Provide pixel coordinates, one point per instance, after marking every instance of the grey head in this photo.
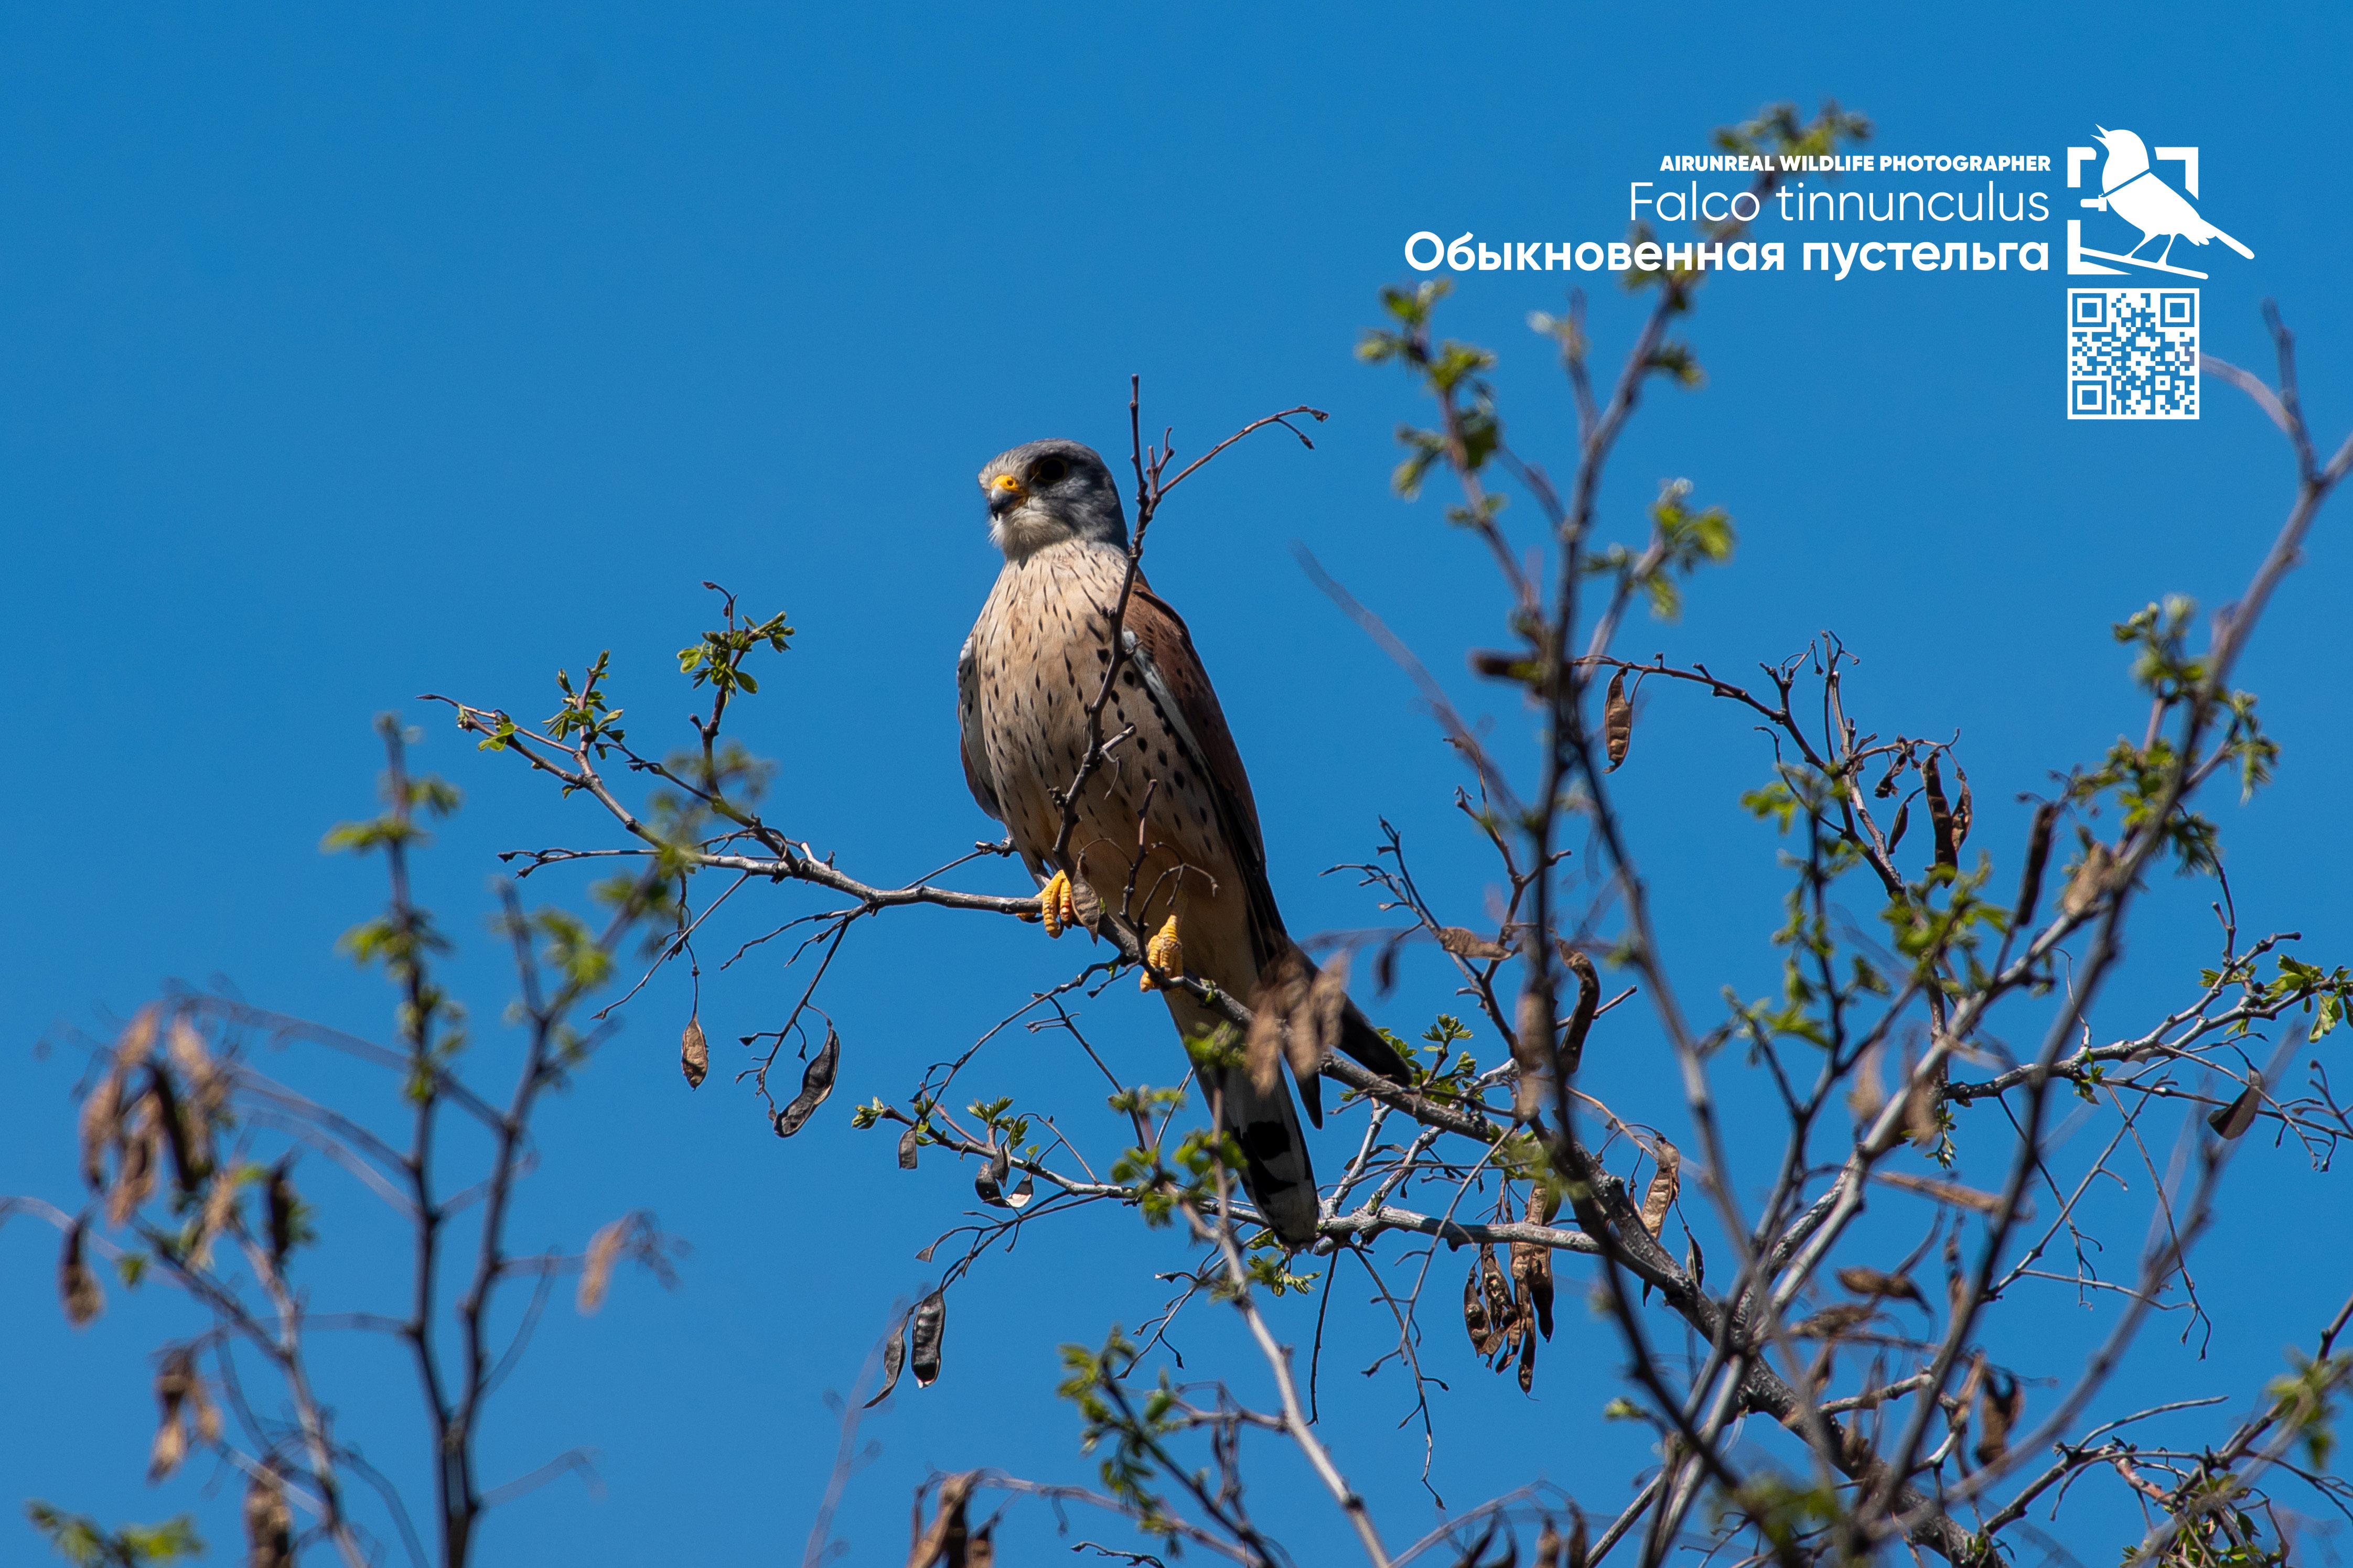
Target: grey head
(1044, 492)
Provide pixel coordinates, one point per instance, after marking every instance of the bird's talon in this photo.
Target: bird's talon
(1165, 952)
(1055, 904)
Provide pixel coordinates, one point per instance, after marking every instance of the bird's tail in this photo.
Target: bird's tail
(1276, 1171)
(2233, 244)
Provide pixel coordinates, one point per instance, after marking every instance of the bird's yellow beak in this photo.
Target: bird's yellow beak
(1004, 492)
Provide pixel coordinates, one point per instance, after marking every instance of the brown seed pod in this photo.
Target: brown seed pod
(1940, 814)
(1999, 1404)
(2038, 854)
(2233, 1120)
(1581, 1016)
(1475, 1310)
(1503, 1327)
(138, 1150)
(943, 1541)
(1865, 1281)
(268, 1522)
(1617, 719)
(931, 1322)
(282, 1201)
(173, 1115)
(2090, 880)
(207, 1415)
(172, 1381)
(1903, 821)
(1548, 1546)
(894, 1356)
(1085, 905)
(1464, 942)
(1527, 1359)
(1665, 1184)
(816, 1082)
(1950, 1193)
(597, 1271)
(1531, 1273)
(1578, 1549)
(694, 1053)
(1963, 812)
(101, 1115)
(219, 1215)
(1867, 1095)
(78, 1288)
(1836, 1319)
(909, 1142)
(1957, 1284)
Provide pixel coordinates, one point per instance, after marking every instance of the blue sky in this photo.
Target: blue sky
(355, 356)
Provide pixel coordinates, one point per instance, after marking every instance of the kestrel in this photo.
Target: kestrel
(1167, 835)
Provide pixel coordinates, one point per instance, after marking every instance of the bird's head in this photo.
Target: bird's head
(2125, 148)
(1044, 492)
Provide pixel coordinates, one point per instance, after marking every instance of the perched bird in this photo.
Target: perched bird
(1166, 835)
(2131, 190)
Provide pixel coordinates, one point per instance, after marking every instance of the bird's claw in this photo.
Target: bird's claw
(1057, 904)
(1165, 952)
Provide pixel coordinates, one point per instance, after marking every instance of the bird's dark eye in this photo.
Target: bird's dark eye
(1049, 471)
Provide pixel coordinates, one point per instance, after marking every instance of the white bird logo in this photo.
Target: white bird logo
(2130, 189)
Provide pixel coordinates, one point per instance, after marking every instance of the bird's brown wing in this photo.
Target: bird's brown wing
(1164, 653)
(975, 744)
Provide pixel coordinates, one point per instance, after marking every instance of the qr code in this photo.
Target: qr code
(2132, 354)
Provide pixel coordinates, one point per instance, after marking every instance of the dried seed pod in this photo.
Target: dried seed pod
(101, 1115)
(1165, 952)
(1835, 1320)
(1464, 942)
(1581, 1017)
(1578, 1549)
(268, 1522)
(1385, 968)
(219, 1215)
(2233, 1120)
(78, 1288)
(1475, 1309)
(894, 1356)
(1957, 1285)
(1885, 787)
(1950, 1193)
(171, 1113)
(1531, 1273)
(694, 1053)
(1532, 1050)
(1963, 812)
(138, 1150)
(172, 1381)
(1865, 1281)
(1999, 1404)
(980, 1551)
(1665, 1184)
(1084, 905)
(282, 1200)
(1903, 821)
(944, 1542)
(206, 1423)
(1502, 1311)
(1548, 1546)
(2038, 854)
(1617, 719)
(816, 1082)
(1940, 814)
(1921, 1123)
(923, 1342)
(909, 1142)
(1527, 1360)
(990, 1182)
(1694, 1260)
(1867, 1095)
(2090, 880)
(597, 1271)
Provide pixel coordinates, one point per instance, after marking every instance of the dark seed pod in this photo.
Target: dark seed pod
(268, 1522)
(2038, 854)
(816, 1082)
(931, 1322)
(282, 1201)
(909, 1142)
(1617, 719)
(694, 1053)
(1527, 1361)
(78, 1288)
(2233, 1120)
(894, 1356)
(1903, 821)
(1999, 1404)
(1964, 813)
(1940, 816)
(1865, 1281)
(1475, 1310)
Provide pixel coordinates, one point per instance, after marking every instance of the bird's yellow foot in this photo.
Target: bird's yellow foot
(1165, 952)
(1055, 902)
